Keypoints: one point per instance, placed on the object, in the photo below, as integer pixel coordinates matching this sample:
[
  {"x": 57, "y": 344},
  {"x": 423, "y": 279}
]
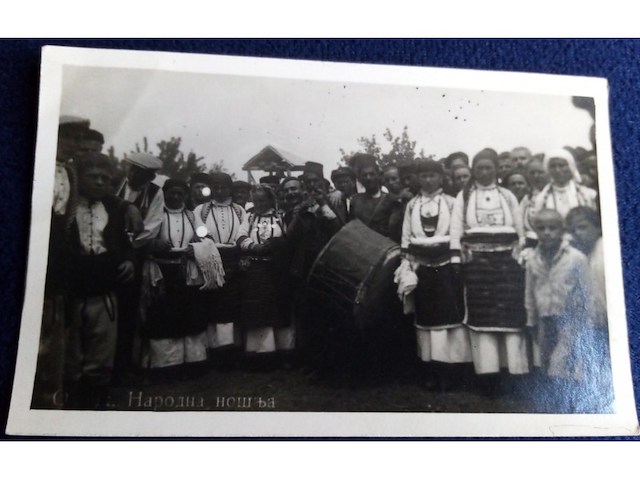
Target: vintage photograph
[{"x": 225, "y": 235}]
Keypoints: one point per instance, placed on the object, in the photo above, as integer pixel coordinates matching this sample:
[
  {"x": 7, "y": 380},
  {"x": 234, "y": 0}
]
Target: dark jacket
[{"x": 97, "y": 274}]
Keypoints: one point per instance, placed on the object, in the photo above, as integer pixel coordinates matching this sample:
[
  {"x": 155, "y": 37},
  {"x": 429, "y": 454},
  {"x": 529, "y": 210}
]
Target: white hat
[{"x": 145, "y": 161}]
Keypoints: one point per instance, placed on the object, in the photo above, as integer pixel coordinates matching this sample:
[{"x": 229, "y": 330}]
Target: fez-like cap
[
  {"x": 241, "y": 184},
  {"x": 146, "y": 161},
  {"x": 174, "y": 182},
  {"x": 314, "y": 167},
  {"x": 342, "y": 172}
]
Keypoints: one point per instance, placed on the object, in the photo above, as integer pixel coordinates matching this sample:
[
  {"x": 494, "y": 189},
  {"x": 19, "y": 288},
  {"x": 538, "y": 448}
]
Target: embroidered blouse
[
  {"x": 92, "y": 218},
  {"x": 222, "y": 219},
  {"x": 488, "y": 208},
  {"x": 258, "y": 228}
]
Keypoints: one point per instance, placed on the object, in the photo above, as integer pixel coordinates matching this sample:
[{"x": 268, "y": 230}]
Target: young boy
[
  {"x": 584, "y": 225},
  {"x": 99, "y": 262},
  {"x": 558, "y": 296}
]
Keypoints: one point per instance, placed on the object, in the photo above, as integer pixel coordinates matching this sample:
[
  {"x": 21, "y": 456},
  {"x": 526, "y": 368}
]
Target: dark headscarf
[
  {"x": 172, "y": 182},
  {"x": 200, "y": 177},
  {"x": 221, "y": 178}
]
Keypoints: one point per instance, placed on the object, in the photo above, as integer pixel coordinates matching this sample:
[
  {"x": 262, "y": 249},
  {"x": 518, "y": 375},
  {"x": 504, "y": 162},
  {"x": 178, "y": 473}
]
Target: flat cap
[{"x": 145, "y": 161}]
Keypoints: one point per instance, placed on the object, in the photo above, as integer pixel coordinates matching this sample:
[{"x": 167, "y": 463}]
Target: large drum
[{"x": 353, "y": 275}]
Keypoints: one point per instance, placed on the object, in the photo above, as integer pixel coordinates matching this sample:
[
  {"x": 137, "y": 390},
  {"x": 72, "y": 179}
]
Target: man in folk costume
[
  {"x": 222, "y": 219},
  {"x": 427, "y": 284},
  {"x": 137, "y": 188},
  {"x": 177, "y": 320},
  {"x": 48, "y": 384},
  {"x": 486, "y": 235},
  {"x": 100, "y": 261}
]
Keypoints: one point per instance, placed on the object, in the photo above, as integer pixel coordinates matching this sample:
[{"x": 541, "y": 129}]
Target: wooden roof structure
[{"x": 275, "y": 161}]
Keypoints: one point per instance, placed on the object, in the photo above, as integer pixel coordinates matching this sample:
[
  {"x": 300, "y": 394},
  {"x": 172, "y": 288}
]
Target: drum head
[{"x": 355, "y": 271}]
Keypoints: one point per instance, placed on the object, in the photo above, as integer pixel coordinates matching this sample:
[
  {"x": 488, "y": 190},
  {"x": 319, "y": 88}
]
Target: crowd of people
[{"x": 500, "y": 279}]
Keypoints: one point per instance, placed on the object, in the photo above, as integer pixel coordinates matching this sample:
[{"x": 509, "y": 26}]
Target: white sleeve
[
  {"x": 406, "y": 225},
  {"x": 457, "y": 225},
  {"x": 152, "y": 221}
]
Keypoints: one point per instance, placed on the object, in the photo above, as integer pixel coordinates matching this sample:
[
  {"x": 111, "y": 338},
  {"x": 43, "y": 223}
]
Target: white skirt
[
  {"x": 495, "y": 350},
  {"x": 269, "y": 339},
  {"x": 448, "y": 345},
  {"x": 223, "y": 335},
  {"x": 167, "y": 352}
]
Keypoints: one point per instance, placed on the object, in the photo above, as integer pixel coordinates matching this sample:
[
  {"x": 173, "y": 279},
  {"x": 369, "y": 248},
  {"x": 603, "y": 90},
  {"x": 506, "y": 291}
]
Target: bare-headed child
[{"x": 557, "y": 298}]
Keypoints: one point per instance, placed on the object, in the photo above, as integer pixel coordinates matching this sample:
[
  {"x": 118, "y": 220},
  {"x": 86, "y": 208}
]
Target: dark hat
[
  {"x": 221, "y": 178},
  {"x": 342, "y": 172},
  {"x": 69, "y": 124},
  {"x": 200, "y": 177},
  {"x": 314, "y": 167},
  {"x": 146, "y": 161},
  {"x": 428, "y": 165},
  {"x": 241, "y": 184},
  {"x": 94, "y": 135},
  {"x": 172, "y": 182}
]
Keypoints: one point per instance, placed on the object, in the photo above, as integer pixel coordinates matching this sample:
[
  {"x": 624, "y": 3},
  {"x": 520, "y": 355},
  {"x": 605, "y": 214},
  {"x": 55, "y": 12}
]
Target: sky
[{"x": 231, "y": 118}]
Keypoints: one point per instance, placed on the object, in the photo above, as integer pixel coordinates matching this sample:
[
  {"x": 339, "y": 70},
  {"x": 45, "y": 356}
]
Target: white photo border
[{"x": 26, "y": 421}]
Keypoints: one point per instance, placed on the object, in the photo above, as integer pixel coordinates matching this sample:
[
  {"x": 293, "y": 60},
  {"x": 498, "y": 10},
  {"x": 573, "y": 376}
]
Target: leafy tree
[
  {"x": 397, "y": 149},
  {"x": 219, "y": 167},
  {"x": 175, "y": 164}
]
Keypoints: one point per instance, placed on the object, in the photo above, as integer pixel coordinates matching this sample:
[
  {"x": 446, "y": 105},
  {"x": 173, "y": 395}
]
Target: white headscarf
[{"x": 565, "y": 155}]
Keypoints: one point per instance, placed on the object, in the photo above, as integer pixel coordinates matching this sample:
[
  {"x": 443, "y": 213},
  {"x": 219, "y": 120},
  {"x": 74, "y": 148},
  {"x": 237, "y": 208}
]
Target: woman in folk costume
[
  {"x": 265, "y": 314},
  {"x": 426, "y": 277},
  {"x": 177, "y": 321},
  {"x": 486, "y": 235},
  {"x": 222, "y": 219},
  {"x": 564, "y": 191}
]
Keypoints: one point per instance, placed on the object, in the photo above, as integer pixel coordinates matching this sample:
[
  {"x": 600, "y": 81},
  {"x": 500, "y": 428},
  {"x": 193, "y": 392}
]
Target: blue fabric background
[{"x": 617, "y": 60}]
